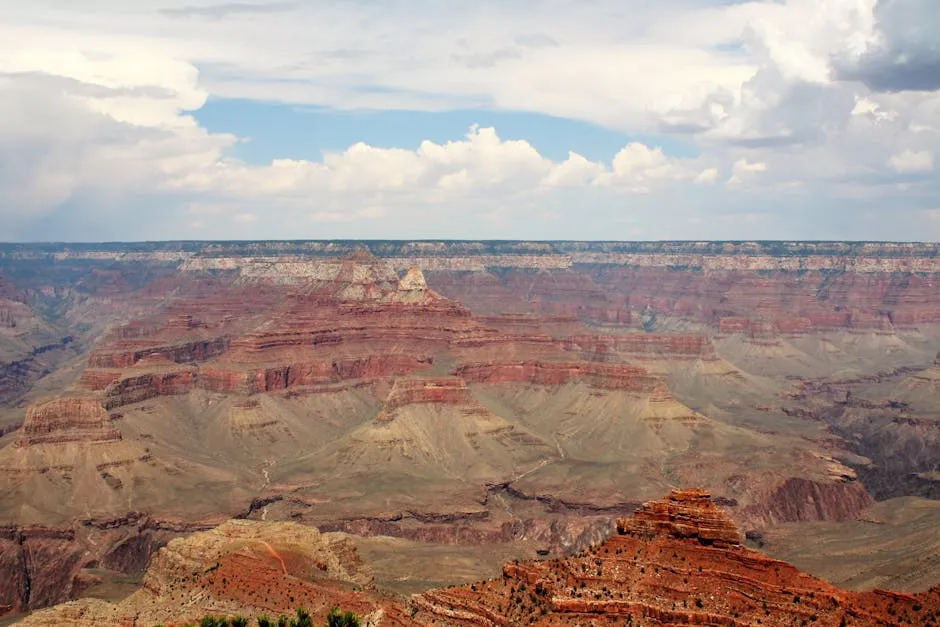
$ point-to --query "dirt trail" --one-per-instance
(275, 555)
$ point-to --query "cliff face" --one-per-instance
(802, 500)
(41, 567)
(675, 562)
(44, 565)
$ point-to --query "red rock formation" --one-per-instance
(67, 419)
(97, 379)
(127, 353)
(683, 514)
(136, 387)
(184, 321)
(606, 376)
(640, 345)
(449, 391)
(243, 379)
(792, 301)
(679, 561)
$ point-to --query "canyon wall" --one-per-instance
(613, 369)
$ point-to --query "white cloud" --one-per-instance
(743, 171)
(774, 95)
(480, 165)
(637, 168)
(911, 161)
(575, 171)
(707, 176)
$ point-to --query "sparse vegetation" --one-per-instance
(302, 618)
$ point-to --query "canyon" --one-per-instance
(515, 397)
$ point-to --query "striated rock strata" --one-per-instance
(679, 561)
(606, 376)
(67, 419)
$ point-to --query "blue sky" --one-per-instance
(551, 119)
(274, 130)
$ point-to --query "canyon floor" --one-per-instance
(448, 407)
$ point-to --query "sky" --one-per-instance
(483, 119)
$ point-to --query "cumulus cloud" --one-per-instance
(638, 168)
(575, 171)
(838, 101)
(903, 54)
(481, 165)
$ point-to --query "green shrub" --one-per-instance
(337, 618)
(303, 619)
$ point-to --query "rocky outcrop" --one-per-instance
(67, 419)
(413, 281)
(334, 556)
(679, 561)
(241, 567)
(683, 514)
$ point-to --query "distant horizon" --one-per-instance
(445, 240)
